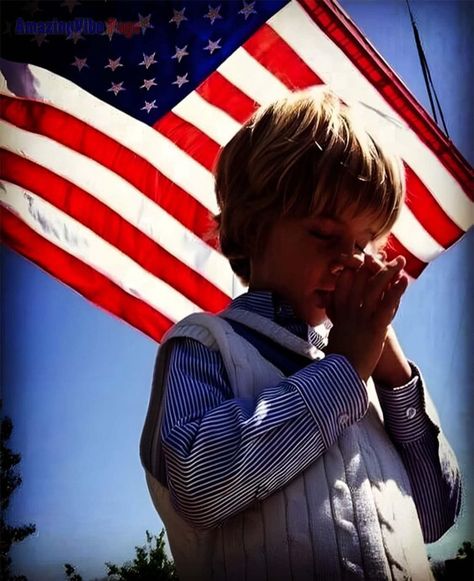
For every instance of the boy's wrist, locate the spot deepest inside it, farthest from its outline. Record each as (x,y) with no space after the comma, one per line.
(392,369)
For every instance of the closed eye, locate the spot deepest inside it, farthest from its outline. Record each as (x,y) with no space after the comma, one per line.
(321,235)
(360,247)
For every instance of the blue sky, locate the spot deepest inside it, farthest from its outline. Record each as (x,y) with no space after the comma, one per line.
(76,380)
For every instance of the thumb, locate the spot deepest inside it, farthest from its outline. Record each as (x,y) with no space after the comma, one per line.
(391,299)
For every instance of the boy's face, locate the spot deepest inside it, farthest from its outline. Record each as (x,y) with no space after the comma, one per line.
(299,253)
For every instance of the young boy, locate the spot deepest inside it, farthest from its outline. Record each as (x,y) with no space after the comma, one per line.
(273,450)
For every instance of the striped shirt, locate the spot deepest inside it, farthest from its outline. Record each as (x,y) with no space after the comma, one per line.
(214,442)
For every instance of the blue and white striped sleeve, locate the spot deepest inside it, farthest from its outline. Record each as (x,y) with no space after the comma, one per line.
(429,461)
(223,453)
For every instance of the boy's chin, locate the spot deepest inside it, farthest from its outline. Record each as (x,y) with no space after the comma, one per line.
(317,317)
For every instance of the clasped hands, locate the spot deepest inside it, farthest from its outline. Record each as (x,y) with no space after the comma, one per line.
(365,300)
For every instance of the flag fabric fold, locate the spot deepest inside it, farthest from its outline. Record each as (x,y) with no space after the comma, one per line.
(108,140)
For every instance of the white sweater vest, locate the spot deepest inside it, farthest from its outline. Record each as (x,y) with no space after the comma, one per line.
(350,515)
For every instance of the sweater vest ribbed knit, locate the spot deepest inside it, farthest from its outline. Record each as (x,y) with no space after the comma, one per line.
(349,516)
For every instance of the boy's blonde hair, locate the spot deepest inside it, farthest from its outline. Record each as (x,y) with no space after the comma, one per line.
(303,155)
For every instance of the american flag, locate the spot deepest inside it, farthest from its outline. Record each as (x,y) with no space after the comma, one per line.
(113,114)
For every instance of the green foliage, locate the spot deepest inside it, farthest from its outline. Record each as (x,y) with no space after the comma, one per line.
(150,564)
(10,480)
(466,551)
(71,573)
(459,568)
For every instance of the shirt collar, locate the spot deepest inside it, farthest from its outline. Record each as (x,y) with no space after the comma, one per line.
(270,305)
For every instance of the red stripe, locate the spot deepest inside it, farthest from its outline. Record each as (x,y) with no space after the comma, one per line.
(113,229)
(64,128)
(414,266)
(271,51)
(343,32)
(221,93)
(189,138)
(88,282)
(429,213)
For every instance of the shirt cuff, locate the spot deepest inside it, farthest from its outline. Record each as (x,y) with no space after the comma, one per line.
(403,408)
(334,394)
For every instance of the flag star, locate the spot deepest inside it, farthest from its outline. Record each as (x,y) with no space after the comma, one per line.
(114,64)
(80,63)
(178,17)
(181,80)
(180,53)
(70,4)
(148,60)
(116,88)
(75,36)
(213,13)
(144,22)
(149,106)
(39,39)
(248,9)
(148,84)
(212,46)
(110,28)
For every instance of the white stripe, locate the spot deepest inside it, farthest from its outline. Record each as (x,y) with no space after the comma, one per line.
(120,196)
(211,120)
(328,61)
(77,240)
(414,237)
(149,144)
(252,78)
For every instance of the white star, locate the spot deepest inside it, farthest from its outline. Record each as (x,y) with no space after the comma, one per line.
(80,63)
(213,13)
(180,53)
(212,46)
(148,84)
(114,64)
(149,106)
(110,28)
(70,4)
(75,36)
(178,17)
(116,88)
(180,81)
(144,22)
(39,39)
(248,9)
(148,60)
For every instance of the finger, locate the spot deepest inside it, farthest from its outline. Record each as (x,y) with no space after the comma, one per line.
(382,256)
(396,290)
(373,264)
(391,300)
(359,286)
(380,282)
(343,289)
(346,261)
